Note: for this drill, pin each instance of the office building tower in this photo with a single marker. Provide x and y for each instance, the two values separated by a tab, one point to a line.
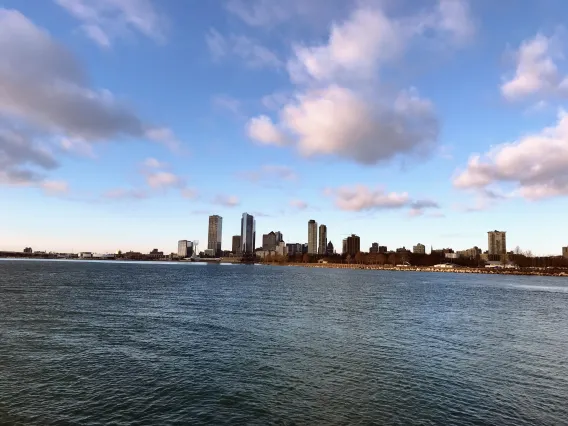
271	240
497	244
344	246
419	249
353	245
236	246
215	234
184	247
312	237
374	248
565	252
248	234
330	250
383	249
322	247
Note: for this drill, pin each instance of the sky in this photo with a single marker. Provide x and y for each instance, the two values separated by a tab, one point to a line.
124	124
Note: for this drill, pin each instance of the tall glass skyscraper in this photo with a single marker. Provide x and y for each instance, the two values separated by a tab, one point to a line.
215	234
248	233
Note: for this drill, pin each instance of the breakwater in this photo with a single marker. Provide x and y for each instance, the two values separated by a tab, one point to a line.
542	272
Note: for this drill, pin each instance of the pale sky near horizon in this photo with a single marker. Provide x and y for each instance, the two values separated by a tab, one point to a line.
125	123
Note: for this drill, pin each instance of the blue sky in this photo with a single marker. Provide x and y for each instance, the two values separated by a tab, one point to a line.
125	123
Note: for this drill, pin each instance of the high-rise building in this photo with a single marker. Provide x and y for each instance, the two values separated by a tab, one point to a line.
185	248
322	247
353	245
271	240
215	234
383	249
374	248
236	248
419	249
497	244
312	237
330	250
248	234
344	246
565	252
294	248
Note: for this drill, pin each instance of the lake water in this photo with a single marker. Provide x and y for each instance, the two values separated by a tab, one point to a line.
96	343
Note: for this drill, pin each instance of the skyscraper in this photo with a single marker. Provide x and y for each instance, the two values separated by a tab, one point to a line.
236	244
248	233
496	244
312	237
322	239
269	241
185	248
215	234
419	249
353	245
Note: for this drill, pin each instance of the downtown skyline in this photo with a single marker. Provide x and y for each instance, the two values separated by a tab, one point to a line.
141	119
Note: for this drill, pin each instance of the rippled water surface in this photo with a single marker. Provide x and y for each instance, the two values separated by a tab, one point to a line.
144	343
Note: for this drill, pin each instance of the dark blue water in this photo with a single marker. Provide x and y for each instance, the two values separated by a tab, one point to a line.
134	344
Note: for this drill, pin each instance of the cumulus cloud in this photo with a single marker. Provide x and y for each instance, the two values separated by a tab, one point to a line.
536	70
362	198
163	180
105	20
250	51
536	165
226	200
340	107
44	94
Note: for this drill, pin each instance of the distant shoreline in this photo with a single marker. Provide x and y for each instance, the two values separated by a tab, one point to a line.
541	272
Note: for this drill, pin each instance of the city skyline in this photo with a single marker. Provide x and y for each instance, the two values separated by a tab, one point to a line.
400	124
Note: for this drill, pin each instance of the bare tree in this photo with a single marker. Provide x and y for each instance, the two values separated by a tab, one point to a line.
358	257
381	259
306	258
392	259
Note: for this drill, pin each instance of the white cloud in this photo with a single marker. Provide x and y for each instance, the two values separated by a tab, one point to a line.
342	122
163	180
226	200
536	70
268	13
340	107
105	20
153	163
78	147
299	204
189	193
55	187
263	130
253	54
42	84
536	165
362	198
454	16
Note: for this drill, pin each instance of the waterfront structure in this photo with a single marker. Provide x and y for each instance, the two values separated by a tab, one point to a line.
236	246
353	245
28	250
419	249
185	248
248	234
293	248
271	240
215	234
312	237
374	248
496	244
565	252
322	247
471	253
330	249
